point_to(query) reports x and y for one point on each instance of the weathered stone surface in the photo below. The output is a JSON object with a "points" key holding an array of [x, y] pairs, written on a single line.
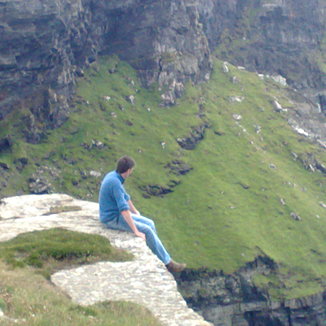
{"points": [[145, 280]]}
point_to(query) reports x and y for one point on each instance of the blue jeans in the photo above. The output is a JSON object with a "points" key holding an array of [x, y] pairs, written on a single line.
{"points": [[146, 226]]}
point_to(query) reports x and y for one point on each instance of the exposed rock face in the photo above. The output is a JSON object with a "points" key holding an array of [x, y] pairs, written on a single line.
{"points": [[40, 49], [233, 300], [163, 40], [273, 36], [45, 45], [308, 117]]}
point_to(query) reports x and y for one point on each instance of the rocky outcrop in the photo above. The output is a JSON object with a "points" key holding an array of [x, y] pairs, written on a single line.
{"points": [[197, 134], [286, 38], [306, 117], [144, 280], [42, 45], [157, 190], [163, 40], [46, 44], [310, 162], [234, 300], [270, 36], [178, 167]]}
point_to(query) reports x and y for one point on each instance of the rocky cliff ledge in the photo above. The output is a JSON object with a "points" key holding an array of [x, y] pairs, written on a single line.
{"points": [[234, 300], [144, 280]]}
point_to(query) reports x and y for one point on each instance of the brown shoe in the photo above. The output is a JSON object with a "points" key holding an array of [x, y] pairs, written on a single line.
{"points": [[174, 267]]}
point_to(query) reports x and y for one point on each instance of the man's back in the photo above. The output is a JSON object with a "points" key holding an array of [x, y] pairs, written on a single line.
{"points": [[112, 197]]}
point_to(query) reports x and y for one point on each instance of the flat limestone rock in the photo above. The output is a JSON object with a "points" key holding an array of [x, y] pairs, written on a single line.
{"points": [[145, 280]]}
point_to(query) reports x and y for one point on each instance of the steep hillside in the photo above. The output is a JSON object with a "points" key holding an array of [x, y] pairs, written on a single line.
{"points": [[275, 37], [222, 173], [45, 46]]}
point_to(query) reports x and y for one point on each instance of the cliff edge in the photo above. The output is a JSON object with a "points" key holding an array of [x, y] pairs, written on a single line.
{"points": [[144, 280]]}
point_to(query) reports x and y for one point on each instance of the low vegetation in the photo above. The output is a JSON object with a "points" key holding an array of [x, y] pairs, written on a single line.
{"points": [[51, 250], [26, 298]]}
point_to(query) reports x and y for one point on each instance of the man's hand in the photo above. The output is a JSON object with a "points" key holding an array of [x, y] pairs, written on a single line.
{"points": [[140, 235], [128, 218]]}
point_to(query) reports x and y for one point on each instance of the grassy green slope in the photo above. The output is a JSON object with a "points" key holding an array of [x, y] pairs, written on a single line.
{"points": [[227, 209]]}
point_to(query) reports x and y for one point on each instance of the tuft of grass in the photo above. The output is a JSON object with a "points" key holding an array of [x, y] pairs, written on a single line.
{"points": [[50, 250], [28, 299]]}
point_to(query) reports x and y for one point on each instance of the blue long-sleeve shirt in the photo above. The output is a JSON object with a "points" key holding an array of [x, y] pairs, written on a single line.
{"points": [[113, 197]]}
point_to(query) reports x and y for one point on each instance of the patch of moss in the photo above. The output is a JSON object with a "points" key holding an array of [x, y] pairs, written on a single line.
{"points": [[54, 249]]}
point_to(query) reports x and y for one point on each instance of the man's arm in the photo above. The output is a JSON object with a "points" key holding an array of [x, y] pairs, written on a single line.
{"points": [[133, 208], [124, 208], [128, 218]]}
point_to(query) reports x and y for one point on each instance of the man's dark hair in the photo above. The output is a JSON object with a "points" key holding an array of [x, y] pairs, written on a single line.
{"points": [[124, 164]]}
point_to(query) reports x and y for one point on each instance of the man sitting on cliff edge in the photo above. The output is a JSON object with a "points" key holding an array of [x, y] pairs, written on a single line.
{"points": [[118, 212]]}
